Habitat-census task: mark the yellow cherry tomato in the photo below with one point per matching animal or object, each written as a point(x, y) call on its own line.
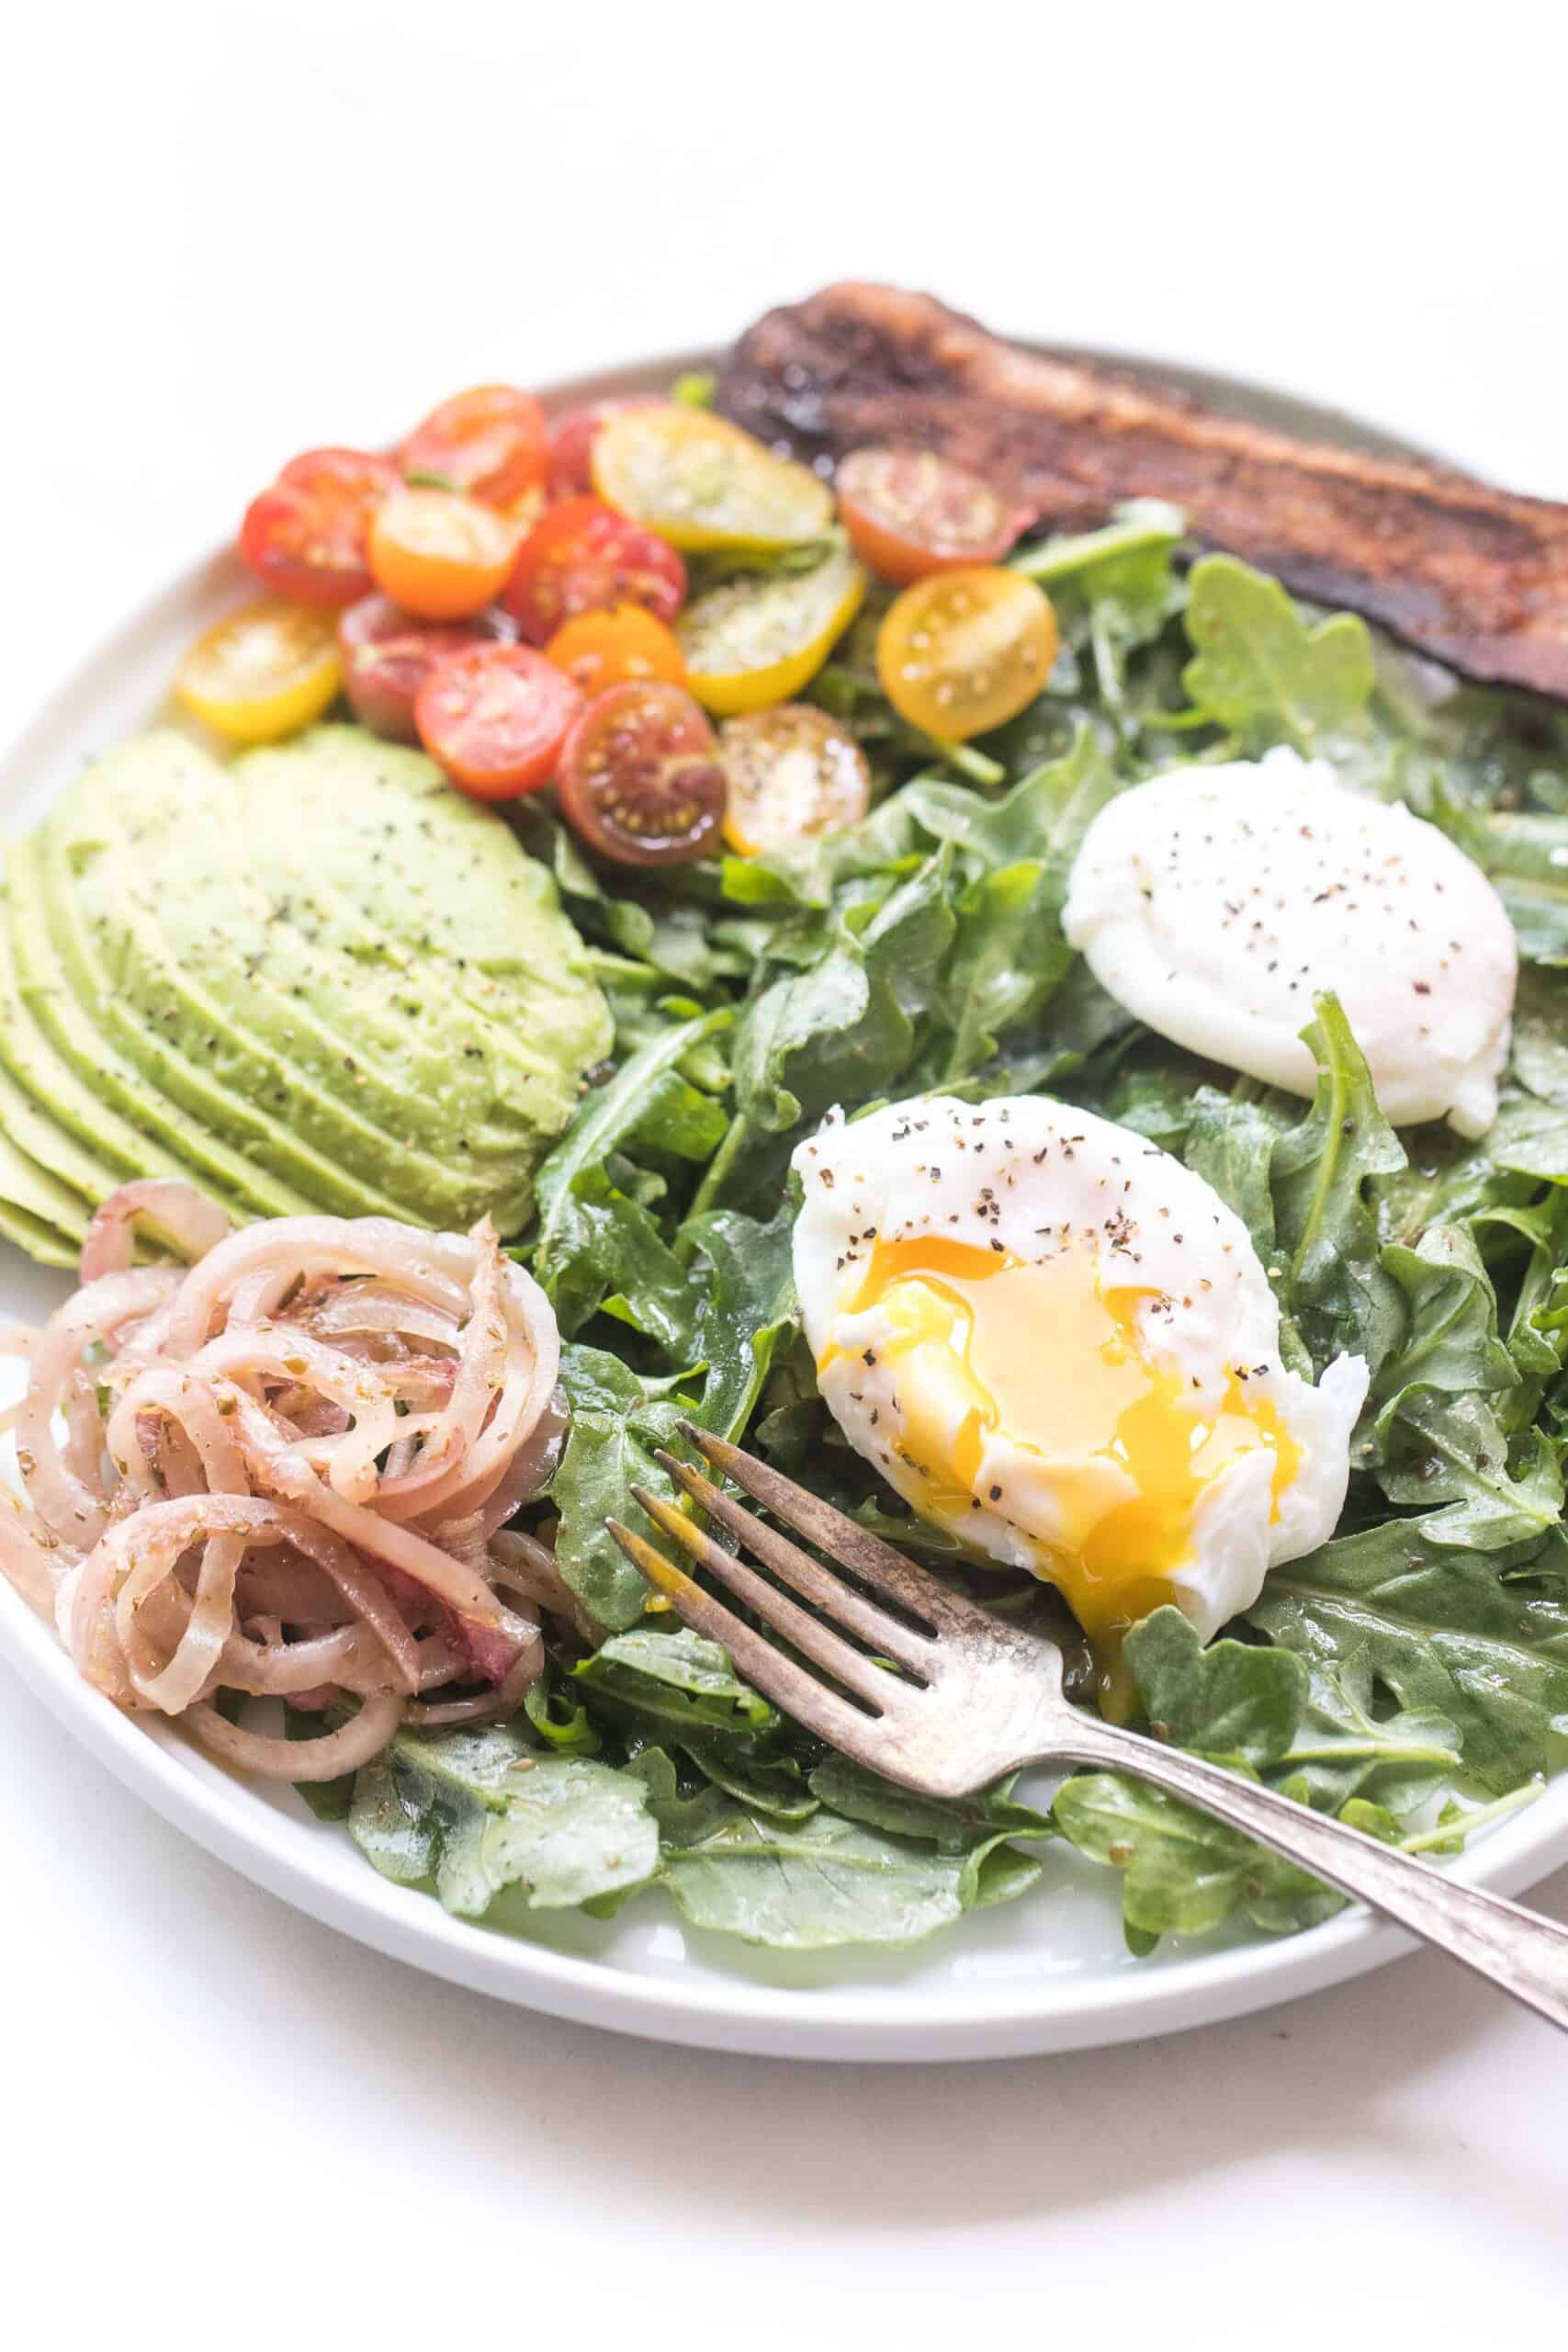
point(262, 672)
point(440, 553)
point(759, 641)
point(700, 481)
point(789, 772)
point(604, 648)
point(962, 651)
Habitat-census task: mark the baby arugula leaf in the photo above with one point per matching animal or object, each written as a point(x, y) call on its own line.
point(1442, 1629)
point(483, 1814)
point(1340, 1749)
point(1235, 1699)
point(812, 1885)
point(615, 1424)
point(1327, 1176)
point(951, 1825)
point(1452, 1450)
point(1262, 672)
point(606, 1252)
point(1526, 857)
point(677, 1681)
point(746, 1284)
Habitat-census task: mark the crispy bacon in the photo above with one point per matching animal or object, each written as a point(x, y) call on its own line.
point(1473, 576)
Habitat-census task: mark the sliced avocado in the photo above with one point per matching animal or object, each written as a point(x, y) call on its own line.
point(329, 922)
point(40, 1241)
point(70, 1029)
point(98, 1149)
point(42, 1138)
point(26, 1186)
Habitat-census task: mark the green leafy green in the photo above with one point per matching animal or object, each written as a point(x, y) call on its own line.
point(1230, 1699)
point(482, 1815)
point(1264, 672)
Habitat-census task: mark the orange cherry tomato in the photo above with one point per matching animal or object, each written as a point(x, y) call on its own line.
point(583, 557)
point(601, 650)
point(495, 717)
point(491, 442)
point(964, 652)
point(305, 535)
point(789, 770)
point(572, 437)
point(439, 553)
point(639, 779)
point(909, 512)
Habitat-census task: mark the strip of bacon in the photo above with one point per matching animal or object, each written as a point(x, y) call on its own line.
point(1473, 576)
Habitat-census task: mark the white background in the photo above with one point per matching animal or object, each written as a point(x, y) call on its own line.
point(230, 231)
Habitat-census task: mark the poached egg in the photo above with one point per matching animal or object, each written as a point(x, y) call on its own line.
point(1213, 902)
point(1058, 1344)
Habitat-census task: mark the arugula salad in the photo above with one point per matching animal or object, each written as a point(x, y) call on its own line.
point(886, 898)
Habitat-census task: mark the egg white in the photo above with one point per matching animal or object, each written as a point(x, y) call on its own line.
point(1214, 903)
point(1035, 1177)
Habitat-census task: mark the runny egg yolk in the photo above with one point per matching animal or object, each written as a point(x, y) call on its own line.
point(986, 1346)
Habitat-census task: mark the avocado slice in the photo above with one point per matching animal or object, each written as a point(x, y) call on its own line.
point(70, 1029)
point(27, 1187)
point(40, 1241)
point(330, 924)
point(71, 1132)
point(102, 877)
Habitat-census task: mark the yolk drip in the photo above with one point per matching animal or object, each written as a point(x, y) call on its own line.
point(987, 1346)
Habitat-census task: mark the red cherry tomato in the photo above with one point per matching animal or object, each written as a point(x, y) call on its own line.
point(639, 777)
point(305, 535)
point(491, 442)
point(909, 512)
point(585, 557)
point(387, 654)
point(495, 717)
point(572, 441)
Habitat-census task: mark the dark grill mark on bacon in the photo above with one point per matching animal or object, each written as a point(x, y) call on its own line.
point(1472, 576)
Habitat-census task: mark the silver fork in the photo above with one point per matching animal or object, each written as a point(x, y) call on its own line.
point(975, 1697)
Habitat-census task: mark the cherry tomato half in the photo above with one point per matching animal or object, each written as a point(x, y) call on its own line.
point(964, 652)
point(700, 481)
point(572, 437)
point(495, 717)
point(262, 673)
point(491, 442)
point(789, 772)
point(305, 535)
point(582, 557)
point(759, 641)
point(387, 654)
point(439, 553)
point(909, 512)
point(600, 649)
point(639, 779)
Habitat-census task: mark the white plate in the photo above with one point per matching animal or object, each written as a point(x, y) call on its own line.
point(1049, 1973)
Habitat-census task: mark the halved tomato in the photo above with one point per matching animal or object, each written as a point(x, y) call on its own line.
point(789, 772)
point(439, 553)
point(761, 639)
point(262, 673)
point(700, 481)
point(496, 717)
point(583, 557)
point(572, 437)
point(909, 512)
point(964, 652)
point(600, 649)
point(305, 535)
point(491, 442)
point(387, 654)
point(640, 780)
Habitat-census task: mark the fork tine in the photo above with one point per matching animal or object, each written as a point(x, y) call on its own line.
point(767, 1670)
point(804, 1633)
point(836, 1599)
point(855, 1548)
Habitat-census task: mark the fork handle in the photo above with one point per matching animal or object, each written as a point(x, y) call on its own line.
point(1513, 1948)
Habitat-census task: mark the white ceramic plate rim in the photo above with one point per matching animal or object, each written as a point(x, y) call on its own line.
point(312, 1865)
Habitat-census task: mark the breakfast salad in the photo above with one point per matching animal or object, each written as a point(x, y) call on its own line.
point(992, 933)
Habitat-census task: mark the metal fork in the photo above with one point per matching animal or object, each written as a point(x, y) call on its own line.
point(973, 1697)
